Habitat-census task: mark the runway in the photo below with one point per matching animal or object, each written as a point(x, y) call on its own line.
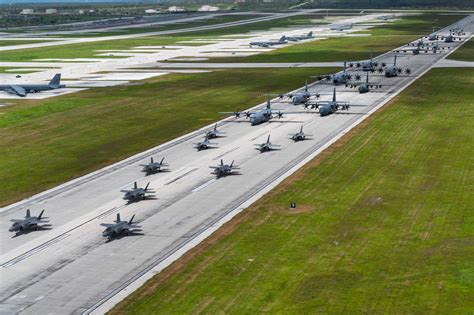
point(72, 269)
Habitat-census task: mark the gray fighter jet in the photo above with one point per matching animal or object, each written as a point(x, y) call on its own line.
point(204, 145)
point(270, 43)
point(29, 222)
point(120, 227)
point(136, 193)
point(153, 167)
point(341, 77)
point(341, 27)
point(223, 170)
point(330, 107)
point(214, 133)
point(299, 136)
point(266, 146)
point(297, 38)
point(364, 87)
point(393, 70)
point(23, 89)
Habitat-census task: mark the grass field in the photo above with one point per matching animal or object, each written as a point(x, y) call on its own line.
point(465, 52)
point(383, 38)
point(384, 224)
point(89, 50)
point(4, 43)
point(45, 143)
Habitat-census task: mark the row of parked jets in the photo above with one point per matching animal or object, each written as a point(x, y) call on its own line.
point(120, 227)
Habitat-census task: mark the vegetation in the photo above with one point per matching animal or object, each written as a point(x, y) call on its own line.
point(90, 50)
point(19, 42)
point(47, 142)
point(382, 38)
point(465, 52)
point(384, 224)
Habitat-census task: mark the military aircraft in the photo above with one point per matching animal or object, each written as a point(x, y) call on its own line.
point(223, 170)
point(299, 136)
point(119, 227)
point(451, 38)
point(23, 89)
point(298, 98)
point(366, 65)
point(136, 193)
point(259, 116)
point(297, 38)
point(29, 222)
point(266, 146)
point(386, 17)
point(266, 44)
point(459, 31)
point(153, 167)
point(341, 77)
point(393, 70)
point(205, 144)
point(427, 48)
point(341, 27)
point(330, 107)
point(364, 87)
point(214, 133)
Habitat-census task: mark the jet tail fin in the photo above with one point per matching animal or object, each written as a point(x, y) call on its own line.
point(41, 214)
point(28, 214)
point(268, 139)
point(135, 185)
point(131, 219)
point(334, 95)
point(56, 80)
point(118, 218)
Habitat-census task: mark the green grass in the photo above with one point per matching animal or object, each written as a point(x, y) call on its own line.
point(383, 38)
point(385, 224)
point(45, 143)
point(4, 43)
point(89, 50)
point(20, 70)
point(465, 52)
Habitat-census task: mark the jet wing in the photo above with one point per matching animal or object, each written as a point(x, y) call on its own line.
point(16, 220)
point(18, 90)
point(107, 224)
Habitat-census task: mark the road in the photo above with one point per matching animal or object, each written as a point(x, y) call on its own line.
point(72, 269)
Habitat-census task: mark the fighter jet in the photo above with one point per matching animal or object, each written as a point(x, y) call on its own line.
point(119, 227)
point(341, 27)
point(270, 43)
point(23, 89)
point(366, 65)
point(29, 222)
point(223, 170)
point(298, 98)
point(341, 77)
point(136, 193)
point(330, 107)
point(214, 133)
point(204, 145)
point(393, 70)
point(299, 136)
point(297, 38)
point(153, 167)
point(364, 87)
point(259, 116)
point(266, 146)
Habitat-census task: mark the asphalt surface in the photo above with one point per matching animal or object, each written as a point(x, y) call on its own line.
point(71, 268)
